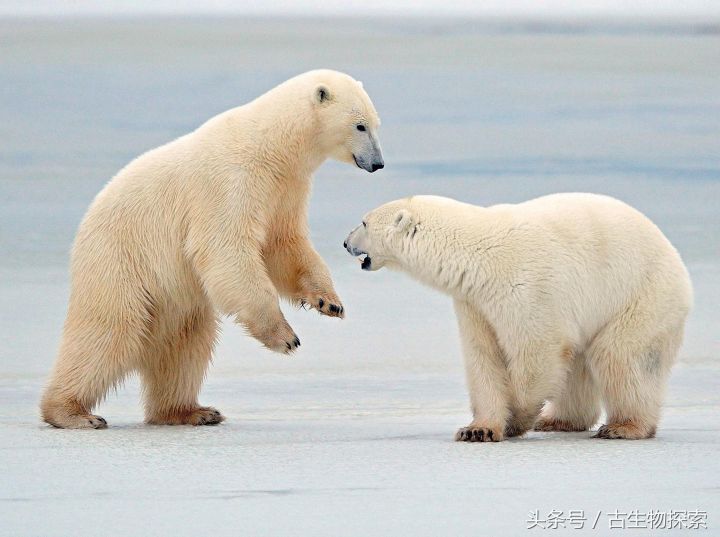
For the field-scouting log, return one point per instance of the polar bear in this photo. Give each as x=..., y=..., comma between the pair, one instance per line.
x=568, y=300
x=213, y=222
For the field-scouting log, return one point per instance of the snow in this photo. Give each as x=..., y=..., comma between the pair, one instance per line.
x=341, y=455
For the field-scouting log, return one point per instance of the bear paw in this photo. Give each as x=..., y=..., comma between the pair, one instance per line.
x=279, y=337
x=86, y=421
x=203, y=415
x=95, y=422
x=478, y=434
x=329, y=305
x=628, y=430
x=550, y=424
x=78, y=421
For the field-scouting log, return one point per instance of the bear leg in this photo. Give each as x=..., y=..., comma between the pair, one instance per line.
x=300, y=274
x=631, y=362
x=172, y=374
x=577, y=407
x=537, y=371
x=70, y=414
x=92, y=360
x=487, y=377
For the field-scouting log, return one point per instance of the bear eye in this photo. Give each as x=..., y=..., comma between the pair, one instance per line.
x=361, y=128
x=364, y=223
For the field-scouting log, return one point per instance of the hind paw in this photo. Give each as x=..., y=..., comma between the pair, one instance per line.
x=627, y=430
x=204, y=415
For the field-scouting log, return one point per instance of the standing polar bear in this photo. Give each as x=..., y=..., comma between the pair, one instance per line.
x=214, y=221
x=570, y=299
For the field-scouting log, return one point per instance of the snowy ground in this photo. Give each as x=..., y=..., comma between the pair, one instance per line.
x=342, y=455
x=353, y=435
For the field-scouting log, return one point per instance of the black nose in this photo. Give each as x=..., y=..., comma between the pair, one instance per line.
x=345, y=244
x=377, y=166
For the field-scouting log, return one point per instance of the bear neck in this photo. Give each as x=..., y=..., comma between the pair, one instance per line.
x=451, y=260
x=289, y=147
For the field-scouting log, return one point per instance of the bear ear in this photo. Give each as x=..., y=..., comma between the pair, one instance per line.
x=403, y=220
x=322, y=94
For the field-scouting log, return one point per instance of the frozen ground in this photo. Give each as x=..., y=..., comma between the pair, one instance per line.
x=353, y=435
x=367, y=454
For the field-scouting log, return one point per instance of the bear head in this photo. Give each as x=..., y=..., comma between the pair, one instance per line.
x=383, y=235
x=347, y=119
x=392, y=234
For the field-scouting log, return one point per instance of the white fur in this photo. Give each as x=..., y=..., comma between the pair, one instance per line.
x=574, y=299
x=213, y=222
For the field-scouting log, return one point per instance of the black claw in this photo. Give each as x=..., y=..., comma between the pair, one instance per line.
x=102, y=420
x=288, y=345
x=334, y=309
x=603, y=432
x=296, y=341
x=490, y=435
x=321, y=303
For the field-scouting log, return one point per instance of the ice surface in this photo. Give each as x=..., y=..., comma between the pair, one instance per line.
x=353, y=435
x=372, y=454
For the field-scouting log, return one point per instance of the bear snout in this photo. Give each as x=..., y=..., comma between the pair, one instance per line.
x=371, y=164
x=355, y=252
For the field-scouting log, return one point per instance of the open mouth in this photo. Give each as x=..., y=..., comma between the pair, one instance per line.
x=365, y=262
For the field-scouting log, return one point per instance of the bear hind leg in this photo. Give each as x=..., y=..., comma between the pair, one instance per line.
x=172, y=375
x=89, y=364
x=632, y=373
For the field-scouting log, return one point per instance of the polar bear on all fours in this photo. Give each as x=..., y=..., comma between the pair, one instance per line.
x=211, y=223
x=565, y=304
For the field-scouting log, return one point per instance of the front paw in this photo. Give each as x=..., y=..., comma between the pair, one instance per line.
x=479, y=434
x=325, y=303
x=278, y=337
